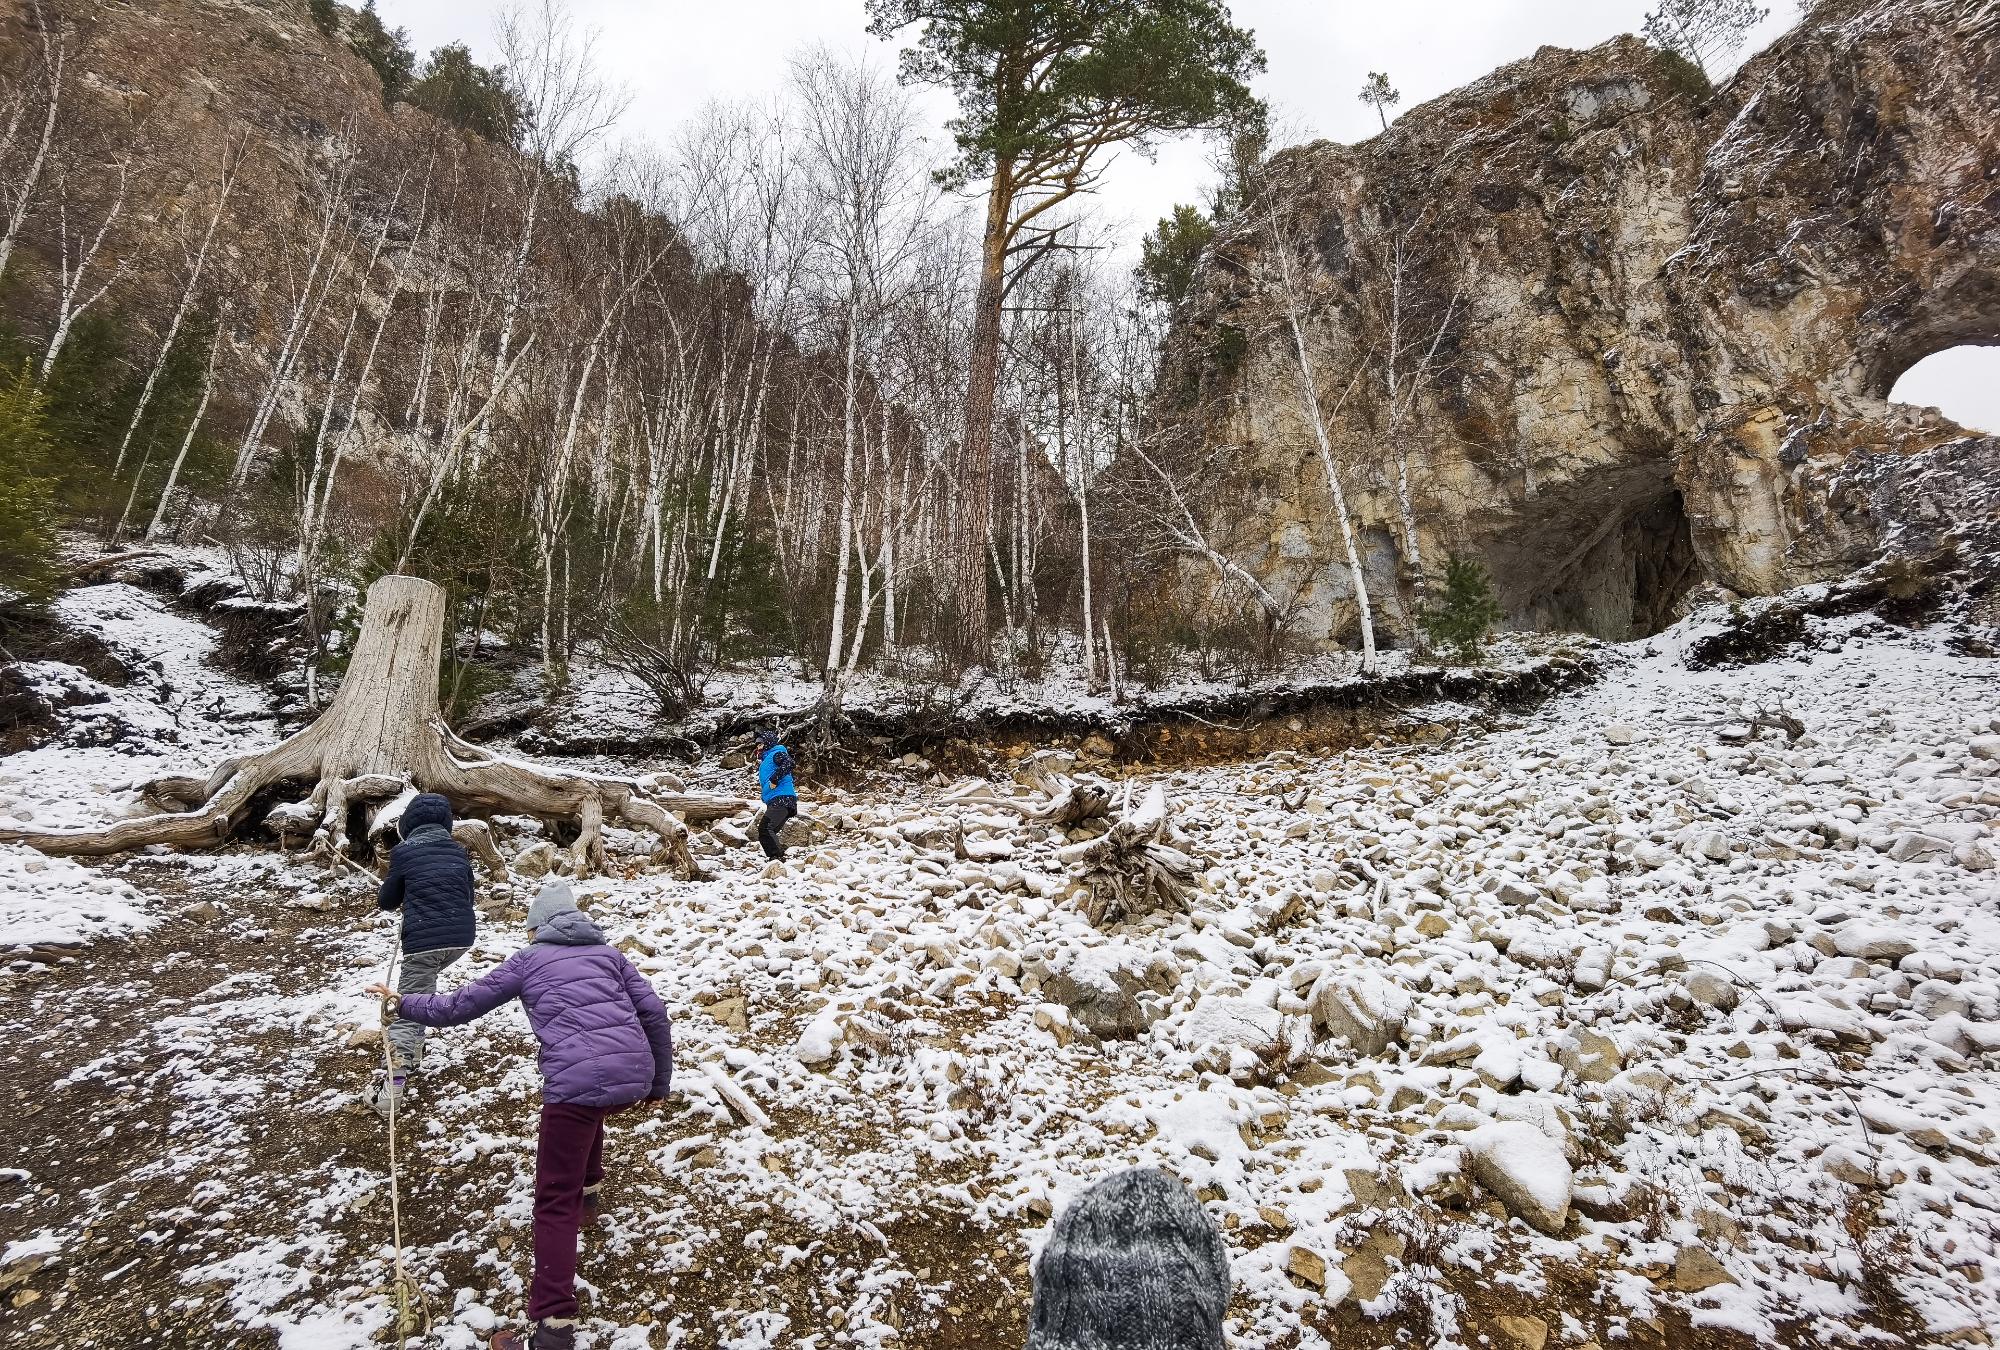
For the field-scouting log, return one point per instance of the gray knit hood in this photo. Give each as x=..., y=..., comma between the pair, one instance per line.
x=555, y=897
x=1134, y=1264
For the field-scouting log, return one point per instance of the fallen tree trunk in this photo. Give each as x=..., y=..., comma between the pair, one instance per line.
x=382, y=739
x=1066, y=801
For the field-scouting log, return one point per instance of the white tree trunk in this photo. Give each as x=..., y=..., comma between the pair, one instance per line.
x=54, y=57
x=831, y=694
x=282, y=367
x=449, y=456
x=1309, y=394
x=233, y=161
x=187, y=441
x=71, y=304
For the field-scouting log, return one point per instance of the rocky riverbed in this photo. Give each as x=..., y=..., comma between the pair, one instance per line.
x=1631, y=1021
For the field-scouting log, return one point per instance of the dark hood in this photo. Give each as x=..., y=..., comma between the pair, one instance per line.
x=426, y=808
x=571, y=929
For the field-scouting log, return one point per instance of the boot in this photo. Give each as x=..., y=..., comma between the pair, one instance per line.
x=547, y=1334
x=386, y=1092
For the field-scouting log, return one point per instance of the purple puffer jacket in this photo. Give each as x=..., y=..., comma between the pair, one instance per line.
x=604, y=1032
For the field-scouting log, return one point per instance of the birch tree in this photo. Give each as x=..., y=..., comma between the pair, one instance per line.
x=17, y=190
x=233, y=156
x=862, y=142
x=327, y=192
x=77, y=252
x=154, y=526
x=565, y=107
x=1291, y=294
x=1417, y=330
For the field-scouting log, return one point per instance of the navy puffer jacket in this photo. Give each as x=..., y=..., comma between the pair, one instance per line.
x=604, y=1032
x=430, y=879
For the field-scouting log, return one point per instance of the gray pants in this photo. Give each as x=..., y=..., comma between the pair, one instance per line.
x=418, y=974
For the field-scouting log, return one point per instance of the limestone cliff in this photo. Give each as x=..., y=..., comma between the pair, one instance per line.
x=1630, y=334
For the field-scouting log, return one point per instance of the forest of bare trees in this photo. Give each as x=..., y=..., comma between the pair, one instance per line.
x=673, y=406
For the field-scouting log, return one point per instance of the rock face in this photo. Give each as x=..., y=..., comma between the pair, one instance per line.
x=1645, y=331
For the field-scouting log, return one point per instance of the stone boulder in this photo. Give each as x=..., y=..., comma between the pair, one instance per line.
x=1525, y=1168
x=1101, y=988
x=1361, y=1008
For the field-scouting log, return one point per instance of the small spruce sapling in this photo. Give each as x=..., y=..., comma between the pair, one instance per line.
x=1466, y=612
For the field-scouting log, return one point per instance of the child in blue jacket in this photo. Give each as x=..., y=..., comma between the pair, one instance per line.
x=774, y=783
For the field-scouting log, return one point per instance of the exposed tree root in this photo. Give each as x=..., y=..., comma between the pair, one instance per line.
x=1137, y=866
x=381, y=741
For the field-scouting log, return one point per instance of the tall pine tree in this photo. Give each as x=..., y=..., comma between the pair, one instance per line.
x=1045, y=88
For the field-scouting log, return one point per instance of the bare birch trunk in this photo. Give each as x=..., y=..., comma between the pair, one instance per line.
x=1309, y=394
x=831, y=694
x=187, y=441
x=54, y=57
x=287, y=351
x=1078, y=434
x=450, y=455
x=68, y=307
x=233, y=161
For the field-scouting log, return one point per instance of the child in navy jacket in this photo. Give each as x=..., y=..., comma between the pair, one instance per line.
x=430, y=881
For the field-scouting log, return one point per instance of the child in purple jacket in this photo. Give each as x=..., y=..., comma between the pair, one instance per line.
x=605, y=1044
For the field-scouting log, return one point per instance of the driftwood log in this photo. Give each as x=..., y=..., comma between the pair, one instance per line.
x=1137, y=866
x=1065, y=801
x=381, y=741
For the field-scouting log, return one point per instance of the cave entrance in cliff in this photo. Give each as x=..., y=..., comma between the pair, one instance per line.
x=1962, y=382
x=1664, y=567
x=1629, y=574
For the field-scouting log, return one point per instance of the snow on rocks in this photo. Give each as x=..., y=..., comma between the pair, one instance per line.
x=1104, y=988
x=1361, y=1008
x=1515, y=977
x=1525, y=1168
x=54, y=902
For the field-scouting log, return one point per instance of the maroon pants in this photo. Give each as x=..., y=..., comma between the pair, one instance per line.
x=568, y=1158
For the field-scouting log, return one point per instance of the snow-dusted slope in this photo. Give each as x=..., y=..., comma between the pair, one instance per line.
x=1600, y=1027
x=178, y=714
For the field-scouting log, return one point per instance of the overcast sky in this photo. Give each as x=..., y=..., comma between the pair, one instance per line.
x=674, y=55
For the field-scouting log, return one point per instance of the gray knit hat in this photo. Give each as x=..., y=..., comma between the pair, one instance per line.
x=1134, y=1264
x=554, y=898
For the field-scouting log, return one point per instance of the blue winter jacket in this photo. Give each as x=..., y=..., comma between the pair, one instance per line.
x=774, y=775
x=430, y=879
x=605, y=1036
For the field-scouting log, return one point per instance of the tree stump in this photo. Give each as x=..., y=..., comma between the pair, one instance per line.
x=381, y=740
x=1137, y=866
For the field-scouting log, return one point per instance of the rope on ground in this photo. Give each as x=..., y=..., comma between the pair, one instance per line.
x=413, y=1310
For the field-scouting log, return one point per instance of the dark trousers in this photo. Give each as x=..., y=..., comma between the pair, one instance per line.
x=568, y=1158
x=776, y=812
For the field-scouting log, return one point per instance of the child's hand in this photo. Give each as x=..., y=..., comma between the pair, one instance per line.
x=380, y=991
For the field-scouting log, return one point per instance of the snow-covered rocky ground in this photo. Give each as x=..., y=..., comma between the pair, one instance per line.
x=1597, y=1027
x=178, y=714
